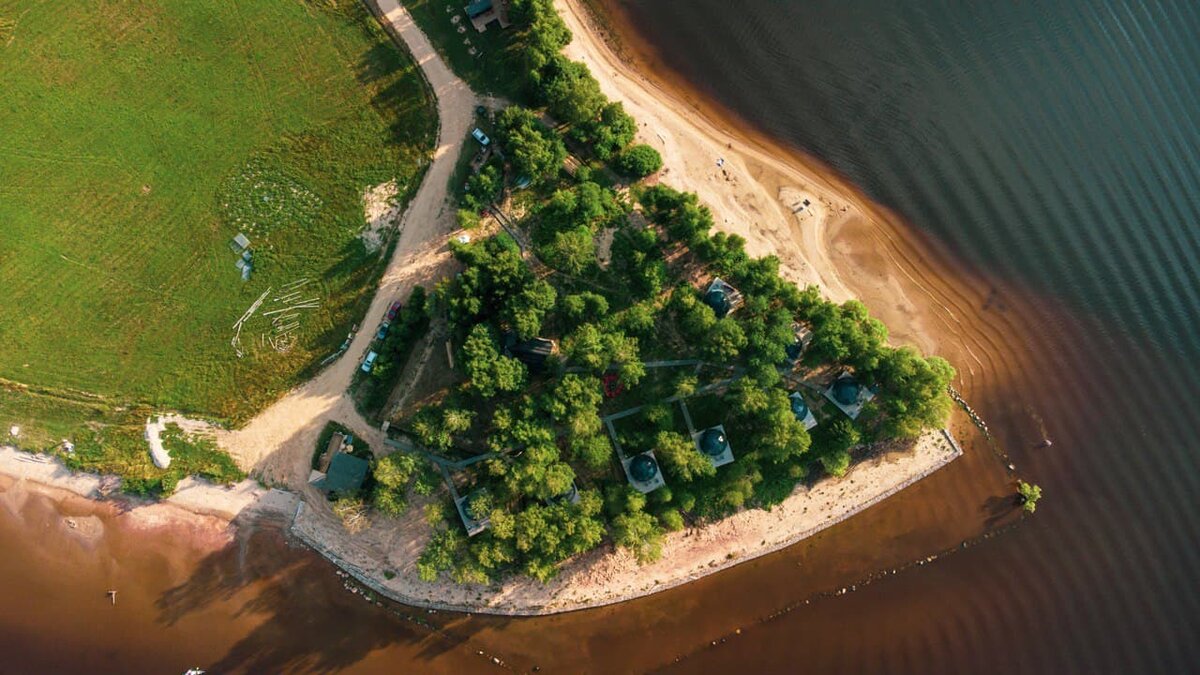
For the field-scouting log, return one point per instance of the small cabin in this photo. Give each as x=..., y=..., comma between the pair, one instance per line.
x=346, y=475
x=533, y=353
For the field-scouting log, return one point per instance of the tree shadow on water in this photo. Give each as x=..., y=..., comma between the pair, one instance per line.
x=310, y=623
x=999, y=509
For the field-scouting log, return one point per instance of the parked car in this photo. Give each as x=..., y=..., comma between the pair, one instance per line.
x=478, y=135
x=383, y=330
x=369, y=362
x=393, y=310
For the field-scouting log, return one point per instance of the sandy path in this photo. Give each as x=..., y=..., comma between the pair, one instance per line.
x=278, y=444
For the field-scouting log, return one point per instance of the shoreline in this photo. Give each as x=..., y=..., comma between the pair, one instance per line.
x=195, y=504
x=606, y=576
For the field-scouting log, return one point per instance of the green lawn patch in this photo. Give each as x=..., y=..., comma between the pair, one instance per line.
x=139, y=139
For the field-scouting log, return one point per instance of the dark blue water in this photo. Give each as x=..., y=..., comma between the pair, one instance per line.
x=1054, y=148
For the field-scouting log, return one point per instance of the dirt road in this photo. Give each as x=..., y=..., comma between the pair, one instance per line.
x=277, y=445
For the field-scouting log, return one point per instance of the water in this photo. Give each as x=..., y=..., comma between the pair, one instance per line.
x=1051, y=148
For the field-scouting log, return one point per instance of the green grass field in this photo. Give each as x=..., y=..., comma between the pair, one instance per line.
x=139, y=138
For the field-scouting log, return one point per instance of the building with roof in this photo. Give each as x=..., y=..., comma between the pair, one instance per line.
x=848, y=395
x=800, y=409
x=643, y=472
x=713, y=444
x=346, y=475
x=474, y=522
x=483, y=12
x=722, y=297
x=533, y=353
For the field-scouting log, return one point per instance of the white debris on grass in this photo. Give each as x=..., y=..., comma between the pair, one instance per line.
x=154, y=429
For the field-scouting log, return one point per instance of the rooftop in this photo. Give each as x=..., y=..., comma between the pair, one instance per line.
x=346, y=474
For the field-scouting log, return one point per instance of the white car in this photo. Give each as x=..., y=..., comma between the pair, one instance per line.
x=369, y=363
x=478, y=135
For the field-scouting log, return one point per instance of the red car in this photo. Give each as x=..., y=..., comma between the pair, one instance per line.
x=391, y=313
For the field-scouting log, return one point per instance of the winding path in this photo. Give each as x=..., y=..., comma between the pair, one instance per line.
x=277, y=445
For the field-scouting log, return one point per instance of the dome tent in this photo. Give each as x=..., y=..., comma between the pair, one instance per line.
x=643, y=468
x=713, y=442
x=845, y=390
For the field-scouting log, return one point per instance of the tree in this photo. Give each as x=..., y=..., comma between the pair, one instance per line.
x=571, y=93
x=836, y=464
x=598, y=350
x=638, y=319
x=724, y=341
x=613, y=131
x=572, y=251
x=684, y=218
x=585, y=205
x=467, y=219
x=483, y=186
x=639, y=532
x=586, y=305
x=574, y=403
x=534, y=149
x=638, y=161
x=542, y=35
x=594, y=451
x=444, y=548
x=915, y=392
x=679, y=455
x=846, y=333
x=637, y=261
x=393, y=474
x=833, y=440
x=1028, y=495
x=489, y=371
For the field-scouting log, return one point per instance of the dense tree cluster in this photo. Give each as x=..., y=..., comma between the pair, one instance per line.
x=498, y=286
x=551, y=486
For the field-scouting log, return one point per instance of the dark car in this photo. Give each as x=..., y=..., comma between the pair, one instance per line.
x=383, y=330
x=391, y=313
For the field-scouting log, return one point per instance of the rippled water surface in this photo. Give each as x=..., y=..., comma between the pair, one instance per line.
x=1053, y=147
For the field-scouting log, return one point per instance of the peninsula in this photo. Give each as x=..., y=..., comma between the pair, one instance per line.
x=576, y=384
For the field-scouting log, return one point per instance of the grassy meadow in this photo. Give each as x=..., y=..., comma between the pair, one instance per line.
x=139, y=138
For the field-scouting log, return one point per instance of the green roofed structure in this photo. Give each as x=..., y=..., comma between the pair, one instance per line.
x=345, y=476
x=722, y=298
x=713, y=444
